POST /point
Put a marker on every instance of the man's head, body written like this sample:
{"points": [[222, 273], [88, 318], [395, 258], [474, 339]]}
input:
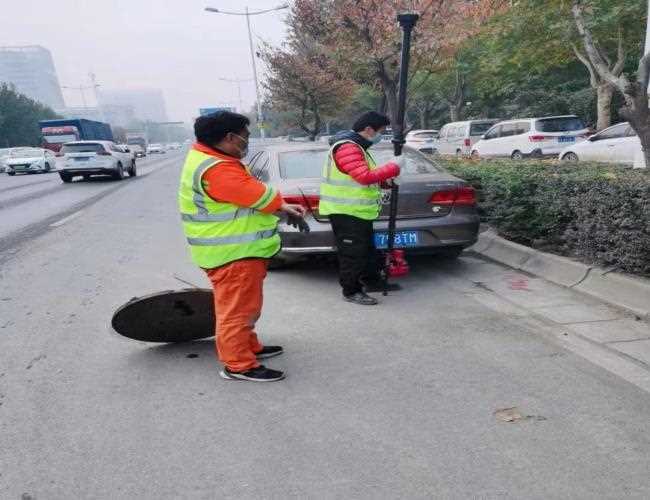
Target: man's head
{"points": [[225, 131], [370, 125]]}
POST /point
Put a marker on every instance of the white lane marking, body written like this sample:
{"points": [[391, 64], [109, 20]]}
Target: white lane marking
{"points": [[66, 219]]}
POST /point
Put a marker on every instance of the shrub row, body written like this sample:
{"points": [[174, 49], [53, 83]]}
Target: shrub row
{"points": [[596, 213]]}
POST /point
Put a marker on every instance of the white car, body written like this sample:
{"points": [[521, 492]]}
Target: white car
{"points": [[29, 161], [422, 140], [531, 137], [458, 138], [87, 158], [155, 149], [616, 144]]}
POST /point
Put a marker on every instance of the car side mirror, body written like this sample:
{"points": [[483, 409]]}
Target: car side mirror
{"points": [[483, 137], [593, 138], [127, 150]]}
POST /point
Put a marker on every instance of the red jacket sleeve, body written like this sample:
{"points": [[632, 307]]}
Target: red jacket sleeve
{"points": [[350, 160]]}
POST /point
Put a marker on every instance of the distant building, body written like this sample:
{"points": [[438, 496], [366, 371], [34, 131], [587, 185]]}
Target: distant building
{"points": [[31, 70], [147, 104], [122, 115]]}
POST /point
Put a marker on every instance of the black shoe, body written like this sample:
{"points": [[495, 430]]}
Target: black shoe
{"points": [[259, 374], [268, 351], [361, 298], [378, 286]]}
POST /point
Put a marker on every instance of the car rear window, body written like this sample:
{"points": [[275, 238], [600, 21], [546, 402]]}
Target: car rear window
{"points": [[480, 128], [90, 147], [302, 164], [415, 163], [568, 124], [309, 164]]}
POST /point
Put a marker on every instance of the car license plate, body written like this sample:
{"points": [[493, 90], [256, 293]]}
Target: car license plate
{"points": [[566, 139], [402, 239], [85, 158]]}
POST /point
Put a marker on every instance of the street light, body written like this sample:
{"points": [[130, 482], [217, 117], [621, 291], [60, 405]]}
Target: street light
{"points": [[248, 14]]}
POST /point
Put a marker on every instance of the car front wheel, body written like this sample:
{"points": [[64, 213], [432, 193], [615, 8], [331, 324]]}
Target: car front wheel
{"points": [[475, 155], [133, 170], [65, 177]]}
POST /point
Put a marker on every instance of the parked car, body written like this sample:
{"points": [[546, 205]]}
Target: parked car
{"points": [[29, 161], [422, 140], [457, 138], [531, 137], [155, 149], [88, 158], [436, 213], [616, 144]]}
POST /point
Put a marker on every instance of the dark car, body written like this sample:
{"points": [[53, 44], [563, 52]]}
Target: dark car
{"points": [[436, 211]]}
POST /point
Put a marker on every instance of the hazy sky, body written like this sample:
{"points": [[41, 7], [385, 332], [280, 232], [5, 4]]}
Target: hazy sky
{"points": [[173, 45]]}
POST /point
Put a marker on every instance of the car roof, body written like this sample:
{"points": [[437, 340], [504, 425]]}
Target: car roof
{"points": [[480, 120], [88, 142]]}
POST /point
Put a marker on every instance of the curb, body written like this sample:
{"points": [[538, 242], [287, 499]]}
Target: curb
{"points": [[621, 290]]}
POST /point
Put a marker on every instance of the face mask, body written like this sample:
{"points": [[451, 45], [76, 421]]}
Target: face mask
{"points": [[376, 139], [242, 151]]}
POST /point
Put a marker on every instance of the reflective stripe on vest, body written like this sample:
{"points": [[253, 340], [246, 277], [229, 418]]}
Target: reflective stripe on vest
{"points": [[219, 233], [341, 194]]}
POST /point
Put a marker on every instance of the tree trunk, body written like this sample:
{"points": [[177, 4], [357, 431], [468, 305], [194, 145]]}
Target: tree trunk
{"points": [[637, 113], [604, 94], [455, 110]]}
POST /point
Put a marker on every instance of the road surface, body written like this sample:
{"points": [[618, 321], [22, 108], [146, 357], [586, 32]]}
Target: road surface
{"points": [[411, 399]]}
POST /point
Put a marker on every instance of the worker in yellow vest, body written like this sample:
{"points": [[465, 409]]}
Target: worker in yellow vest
{"points": [[228, 219], [350, 194]]}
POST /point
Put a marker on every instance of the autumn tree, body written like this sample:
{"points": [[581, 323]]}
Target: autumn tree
{"points": [[364, 39], [302, 83]]}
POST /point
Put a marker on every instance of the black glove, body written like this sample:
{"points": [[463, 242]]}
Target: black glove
{"points": [[299, 223]]}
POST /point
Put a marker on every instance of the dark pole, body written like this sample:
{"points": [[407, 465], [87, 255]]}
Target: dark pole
{"points": [[407, 23]]}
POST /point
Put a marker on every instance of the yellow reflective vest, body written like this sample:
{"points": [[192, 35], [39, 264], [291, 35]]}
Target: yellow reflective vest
{"points": [[341, 194], [219, 233]]}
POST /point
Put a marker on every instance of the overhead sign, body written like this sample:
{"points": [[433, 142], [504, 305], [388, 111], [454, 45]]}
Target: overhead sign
{"points": [[209, 111]]}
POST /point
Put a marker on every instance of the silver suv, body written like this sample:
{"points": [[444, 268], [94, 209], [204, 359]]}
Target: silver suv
{"points": [[87, 158]]}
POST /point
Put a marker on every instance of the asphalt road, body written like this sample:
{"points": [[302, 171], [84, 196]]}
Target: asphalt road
{"points": [[405, 400]]}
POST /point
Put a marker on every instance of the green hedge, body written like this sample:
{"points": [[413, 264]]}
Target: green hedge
{"points": [[599, 214]]}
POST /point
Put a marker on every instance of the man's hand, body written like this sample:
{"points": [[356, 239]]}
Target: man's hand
{"points": [[294, 210]]}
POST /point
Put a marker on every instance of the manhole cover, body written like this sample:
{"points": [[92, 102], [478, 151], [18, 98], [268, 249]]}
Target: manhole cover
{"points": [[170, 316]]}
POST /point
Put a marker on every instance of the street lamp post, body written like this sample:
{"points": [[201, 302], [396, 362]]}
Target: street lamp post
{"points": [[247, 13]]}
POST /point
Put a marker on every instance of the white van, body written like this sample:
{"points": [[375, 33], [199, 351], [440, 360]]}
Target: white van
{"points": [[535, 137], [457, 138]]}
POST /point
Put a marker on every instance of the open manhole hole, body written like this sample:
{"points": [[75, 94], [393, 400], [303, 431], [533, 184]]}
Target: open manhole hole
{"points": [[170, 316]]}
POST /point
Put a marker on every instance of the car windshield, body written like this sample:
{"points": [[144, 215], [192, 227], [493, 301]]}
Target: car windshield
{"points": [[25, 153], [90, 147], [309, 164], [480, 128], [567, 124]]}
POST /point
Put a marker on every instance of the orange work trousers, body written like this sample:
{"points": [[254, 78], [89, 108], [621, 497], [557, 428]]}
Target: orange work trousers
{"points": [[238, 305]]}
